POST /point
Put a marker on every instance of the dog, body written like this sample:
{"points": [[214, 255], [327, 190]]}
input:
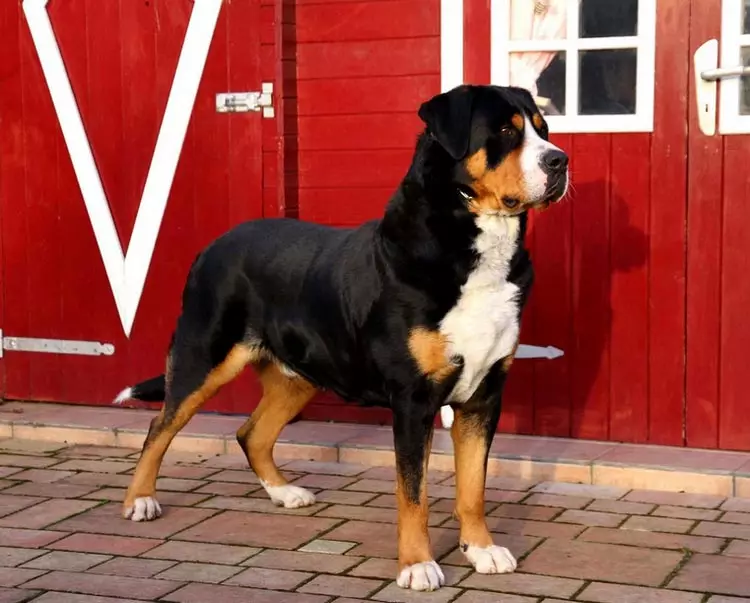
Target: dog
{"points": [[415, 311]]}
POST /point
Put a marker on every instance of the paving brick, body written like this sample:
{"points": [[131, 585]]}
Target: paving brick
{"points": [[523, 584], [388, 474], [608, 562], [255, 529], [329, 482], [653, 540], [738, 548], [107, 519], [46, 513], [109, 586], [99, 480], [715, 574], [331, 547], [678, 499], [395, 594], [229, 475], [201, 552], [58, 597], [374, 514], [685, 513], [348, 600], [658, 524], [61, 490], [599, 592], [526, 512], [262, 504], [556, 500], [14, 576], [295, 560], [374, 485], [30, 446], [722, 530], [345, 469], [8, 471], [448, 505], [379, 539], [591, 518], [178, 485], [504, 496], [333, 585], [532, 528], [276, 579], [475, 596], [187, 472], [734, 517], [17, 460], [132, 567], [226, 489], [723, 599], [42, 476], [200, 593], [387, 569], [518, 546], [17, 595], [11, 556], [166, 499], [67, 561], [29, 538], [105, 544], [199, 572], [581, 490], [83, 451], [13, 504], [344, 497], [95, 466], [736, 504], [620, 506]]}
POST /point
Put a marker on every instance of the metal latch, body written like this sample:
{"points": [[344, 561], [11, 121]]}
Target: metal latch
{"points": [[55, 346], [243, 102]]}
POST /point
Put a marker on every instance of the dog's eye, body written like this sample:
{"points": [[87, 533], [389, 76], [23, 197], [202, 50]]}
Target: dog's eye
{"points": [[466, 192], [508, 131], [510, 202]]}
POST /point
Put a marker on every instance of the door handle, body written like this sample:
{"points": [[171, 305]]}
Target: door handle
{"points": [[712, 75]]}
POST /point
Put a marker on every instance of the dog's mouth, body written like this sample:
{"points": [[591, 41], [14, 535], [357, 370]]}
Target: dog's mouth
{"points": [[556, 189]]}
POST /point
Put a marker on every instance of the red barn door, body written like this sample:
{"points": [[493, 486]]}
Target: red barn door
{"points": [[116, 169]]}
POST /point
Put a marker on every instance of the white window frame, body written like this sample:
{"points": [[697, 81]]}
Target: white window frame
{"points": [[732, 40], [571, 122]]}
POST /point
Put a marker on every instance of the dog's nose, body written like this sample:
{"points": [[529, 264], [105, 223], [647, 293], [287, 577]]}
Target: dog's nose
{"points": [[554, 162]]}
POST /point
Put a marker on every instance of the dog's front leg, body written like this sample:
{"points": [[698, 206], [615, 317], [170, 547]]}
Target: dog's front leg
{"points": [[412, 432], [472, 432]]}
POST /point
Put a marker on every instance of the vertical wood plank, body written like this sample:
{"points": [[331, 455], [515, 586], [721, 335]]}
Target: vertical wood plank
{"points": [[668, 224], [477, 41], [552, 308], [734, 427], [630, 198], [592, 311], [704, 229]]}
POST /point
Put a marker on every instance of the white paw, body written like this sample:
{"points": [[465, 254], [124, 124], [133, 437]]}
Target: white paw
{"points": [[291, 497], [144, 509], [421, 576], [446, 416], [491, 560]]}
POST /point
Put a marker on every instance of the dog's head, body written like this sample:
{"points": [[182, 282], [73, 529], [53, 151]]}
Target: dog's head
{"points": [[497, 142]]}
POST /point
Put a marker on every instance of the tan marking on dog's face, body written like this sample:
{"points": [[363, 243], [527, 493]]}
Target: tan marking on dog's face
{"points": [[517, 121], [492, 186], [429, 350], [537, 120]]}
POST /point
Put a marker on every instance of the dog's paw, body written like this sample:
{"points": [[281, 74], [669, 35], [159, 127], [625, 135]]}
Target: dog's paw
{"points": [[421, 576], [491, 560], [144, 508], [291, 497]]}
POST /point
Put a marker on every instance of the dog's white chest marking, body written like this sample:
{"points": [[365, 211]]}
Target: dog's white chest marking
{"points": [[483, 326]]}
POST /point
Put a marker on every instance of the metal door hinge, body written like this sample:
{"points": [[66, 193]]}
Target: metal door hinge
{"points": [[243, 102], [55, 346]]}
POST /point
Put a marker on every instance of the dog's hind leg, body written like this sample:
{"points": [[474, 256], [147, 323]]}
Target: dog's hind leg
{"points": [[191, 381], [284, 396]]}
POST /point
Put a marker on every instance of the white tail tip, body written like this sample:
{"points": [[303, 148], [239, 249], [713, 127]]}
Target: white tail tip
{"points": [[123, 395], [446, 416]]}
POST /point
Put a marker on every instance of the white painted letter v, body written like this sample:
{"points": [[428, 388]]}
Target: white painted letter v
{"points": [[127, 272]]}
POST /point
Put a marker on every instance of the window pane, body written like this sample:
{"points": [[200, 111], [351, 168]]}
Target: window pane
{"points": [[607, 18], [745, 83], [537, 19], [746, 17], [542, 74], [607, 82]]}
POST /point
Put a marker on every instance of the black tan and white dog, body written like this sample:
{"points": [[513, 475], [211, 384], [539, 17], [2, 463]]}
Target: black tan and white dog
{"points": [[414, 311]]}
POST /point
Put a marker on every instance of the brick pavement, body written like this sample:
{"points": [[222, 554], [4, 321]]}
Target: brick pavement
{"points": [[62, 539]]}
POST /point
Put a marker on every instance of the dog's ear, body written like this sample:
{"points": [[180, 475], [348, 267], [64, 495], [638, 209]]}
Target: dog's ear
{"points": [[448, 118]]}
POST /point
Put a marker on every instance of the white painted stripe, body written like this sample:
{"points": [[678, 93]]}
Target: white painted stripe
{"points": [[127, 272], [451, 44]]}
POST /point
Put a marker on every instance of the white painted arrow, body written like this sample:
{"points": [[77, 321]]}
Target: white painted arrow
{"points": [[127, 272]]}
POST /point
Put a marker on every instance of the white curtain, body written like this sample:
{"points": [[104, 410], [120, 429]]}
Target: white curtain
{"points": [[534, 20]]}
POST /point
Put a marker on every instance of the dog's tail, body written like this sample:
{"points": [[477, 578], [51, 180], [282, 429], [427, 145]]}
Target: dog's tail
{"points": [[151, 390]]}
